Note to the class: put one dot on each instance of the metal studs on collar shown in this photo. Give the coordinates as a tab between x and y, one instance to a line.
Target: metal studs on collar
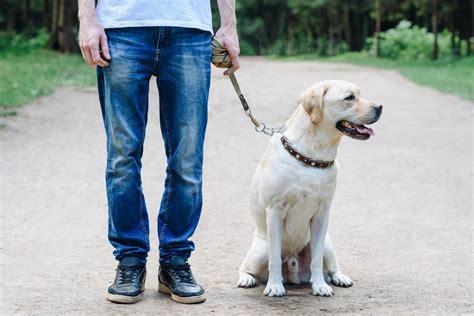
307	161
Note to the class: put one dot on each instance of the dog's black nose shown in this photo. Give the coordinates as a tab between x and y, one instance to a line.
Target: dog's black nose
378	109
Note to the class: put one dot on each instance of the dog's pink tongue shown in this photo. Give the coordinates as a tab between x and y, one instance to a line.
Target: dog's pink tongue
364	130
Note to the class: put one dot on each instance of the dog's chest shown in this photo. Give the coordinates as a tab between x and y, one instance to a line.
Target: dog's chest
306	197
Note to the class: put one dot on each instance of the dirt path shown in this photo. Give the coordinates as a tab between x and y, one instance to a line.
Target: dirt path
401	220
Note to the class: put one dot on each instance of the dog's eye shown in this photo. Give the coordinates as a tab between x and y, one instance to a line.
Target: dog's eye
349	98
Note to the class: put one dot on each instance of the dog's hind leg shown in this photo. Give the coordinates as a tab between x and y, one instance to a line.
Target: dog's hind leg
331	266
254	264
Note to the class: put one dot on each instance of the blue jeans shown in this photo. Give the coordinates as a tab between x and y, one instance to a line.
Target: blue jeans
180	60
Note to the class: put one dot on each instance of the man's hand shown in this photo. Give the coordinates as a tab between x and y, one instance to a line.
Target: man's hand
227	33
229	39
93	42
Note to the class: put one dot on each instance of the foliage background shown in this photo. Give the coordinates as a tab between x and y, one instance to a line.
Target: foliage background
330	27
38	47
281	27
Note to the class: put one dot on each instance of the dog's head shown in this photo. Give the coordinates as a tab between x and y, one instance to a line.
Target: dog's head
340	104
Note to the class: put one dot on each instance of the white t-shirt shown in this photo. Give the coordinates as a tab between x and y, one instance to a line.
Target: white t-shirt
133	13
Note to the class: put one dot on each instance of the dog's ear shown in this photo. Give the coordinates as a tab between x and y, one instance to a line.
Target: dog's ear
312	101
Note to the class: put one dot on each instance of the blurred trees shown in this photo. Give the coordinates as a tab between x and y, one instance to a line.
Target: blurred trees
328	27
62	24
282	27
434	27
58	17
410	42
378	21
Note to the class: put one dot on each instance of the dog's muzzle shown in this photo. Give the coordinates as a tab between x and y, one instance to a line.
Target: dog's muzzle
357	130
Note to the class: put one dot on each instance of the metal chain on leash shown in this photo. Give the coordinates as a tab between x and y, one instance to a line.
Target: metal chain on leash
260	127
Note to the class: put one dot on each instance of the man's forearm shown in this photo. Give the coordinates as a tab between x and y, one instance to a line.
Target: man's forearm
227	33
86	9
227	13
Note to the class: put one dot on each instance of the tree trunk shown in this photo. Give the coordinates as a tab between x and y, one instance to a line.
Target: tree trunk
378	22
27	16
290	34
47	11
347	26
452	29
470	40
434	27
54	17
68	41
330	45
10	15
63	38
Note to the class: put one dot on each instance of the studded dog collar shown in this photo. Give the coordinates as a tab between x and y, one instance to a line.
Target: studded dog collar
307	161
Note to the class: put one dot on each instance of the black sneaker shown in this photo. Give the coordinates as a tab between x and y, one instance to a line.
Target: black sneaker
129	282
178	281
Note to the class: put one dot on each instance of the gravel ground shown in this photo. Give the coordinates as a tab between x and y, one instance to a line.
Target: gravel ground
401	221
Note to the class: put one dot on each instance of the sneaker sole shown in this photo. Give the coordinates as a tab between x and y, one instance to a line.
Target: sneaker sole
123	299
181	299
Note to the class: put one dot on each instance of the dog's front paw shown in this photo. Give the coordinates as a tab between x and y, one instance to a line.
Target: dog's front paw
246	280
322	289
340	279
274	289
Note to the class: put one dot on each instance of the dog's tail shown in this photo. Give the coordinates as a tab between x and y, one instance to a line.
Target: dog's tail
293	270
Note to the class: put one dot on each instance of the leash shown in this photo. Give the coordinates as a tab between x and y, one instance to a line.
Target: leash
270	131
260	127
220	58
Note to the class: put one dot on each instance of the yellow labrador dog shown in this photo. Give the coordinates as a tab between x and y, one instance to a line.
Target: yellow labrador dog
293	187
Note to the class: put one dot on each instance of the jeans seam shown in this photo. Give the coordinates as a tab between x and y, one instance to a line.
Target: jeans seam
109	188
142	207
142	222
170	183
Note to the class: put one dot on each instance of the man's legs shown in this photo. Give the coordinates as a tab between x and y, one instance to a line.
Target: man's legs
123	91
183	72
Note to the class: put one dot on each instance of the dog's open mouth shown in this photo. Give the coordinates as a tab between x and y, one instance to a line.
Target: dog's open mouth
357	131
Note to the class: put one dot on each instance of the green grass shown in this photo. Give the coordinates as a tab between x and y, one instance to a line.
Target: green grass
450	76
26	77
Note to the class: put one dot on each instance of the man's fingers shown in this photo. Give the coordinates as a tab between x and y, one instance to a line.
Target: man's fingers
235	64
233	52
96	59
83	53
231	70
87	55
104	46
234	58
